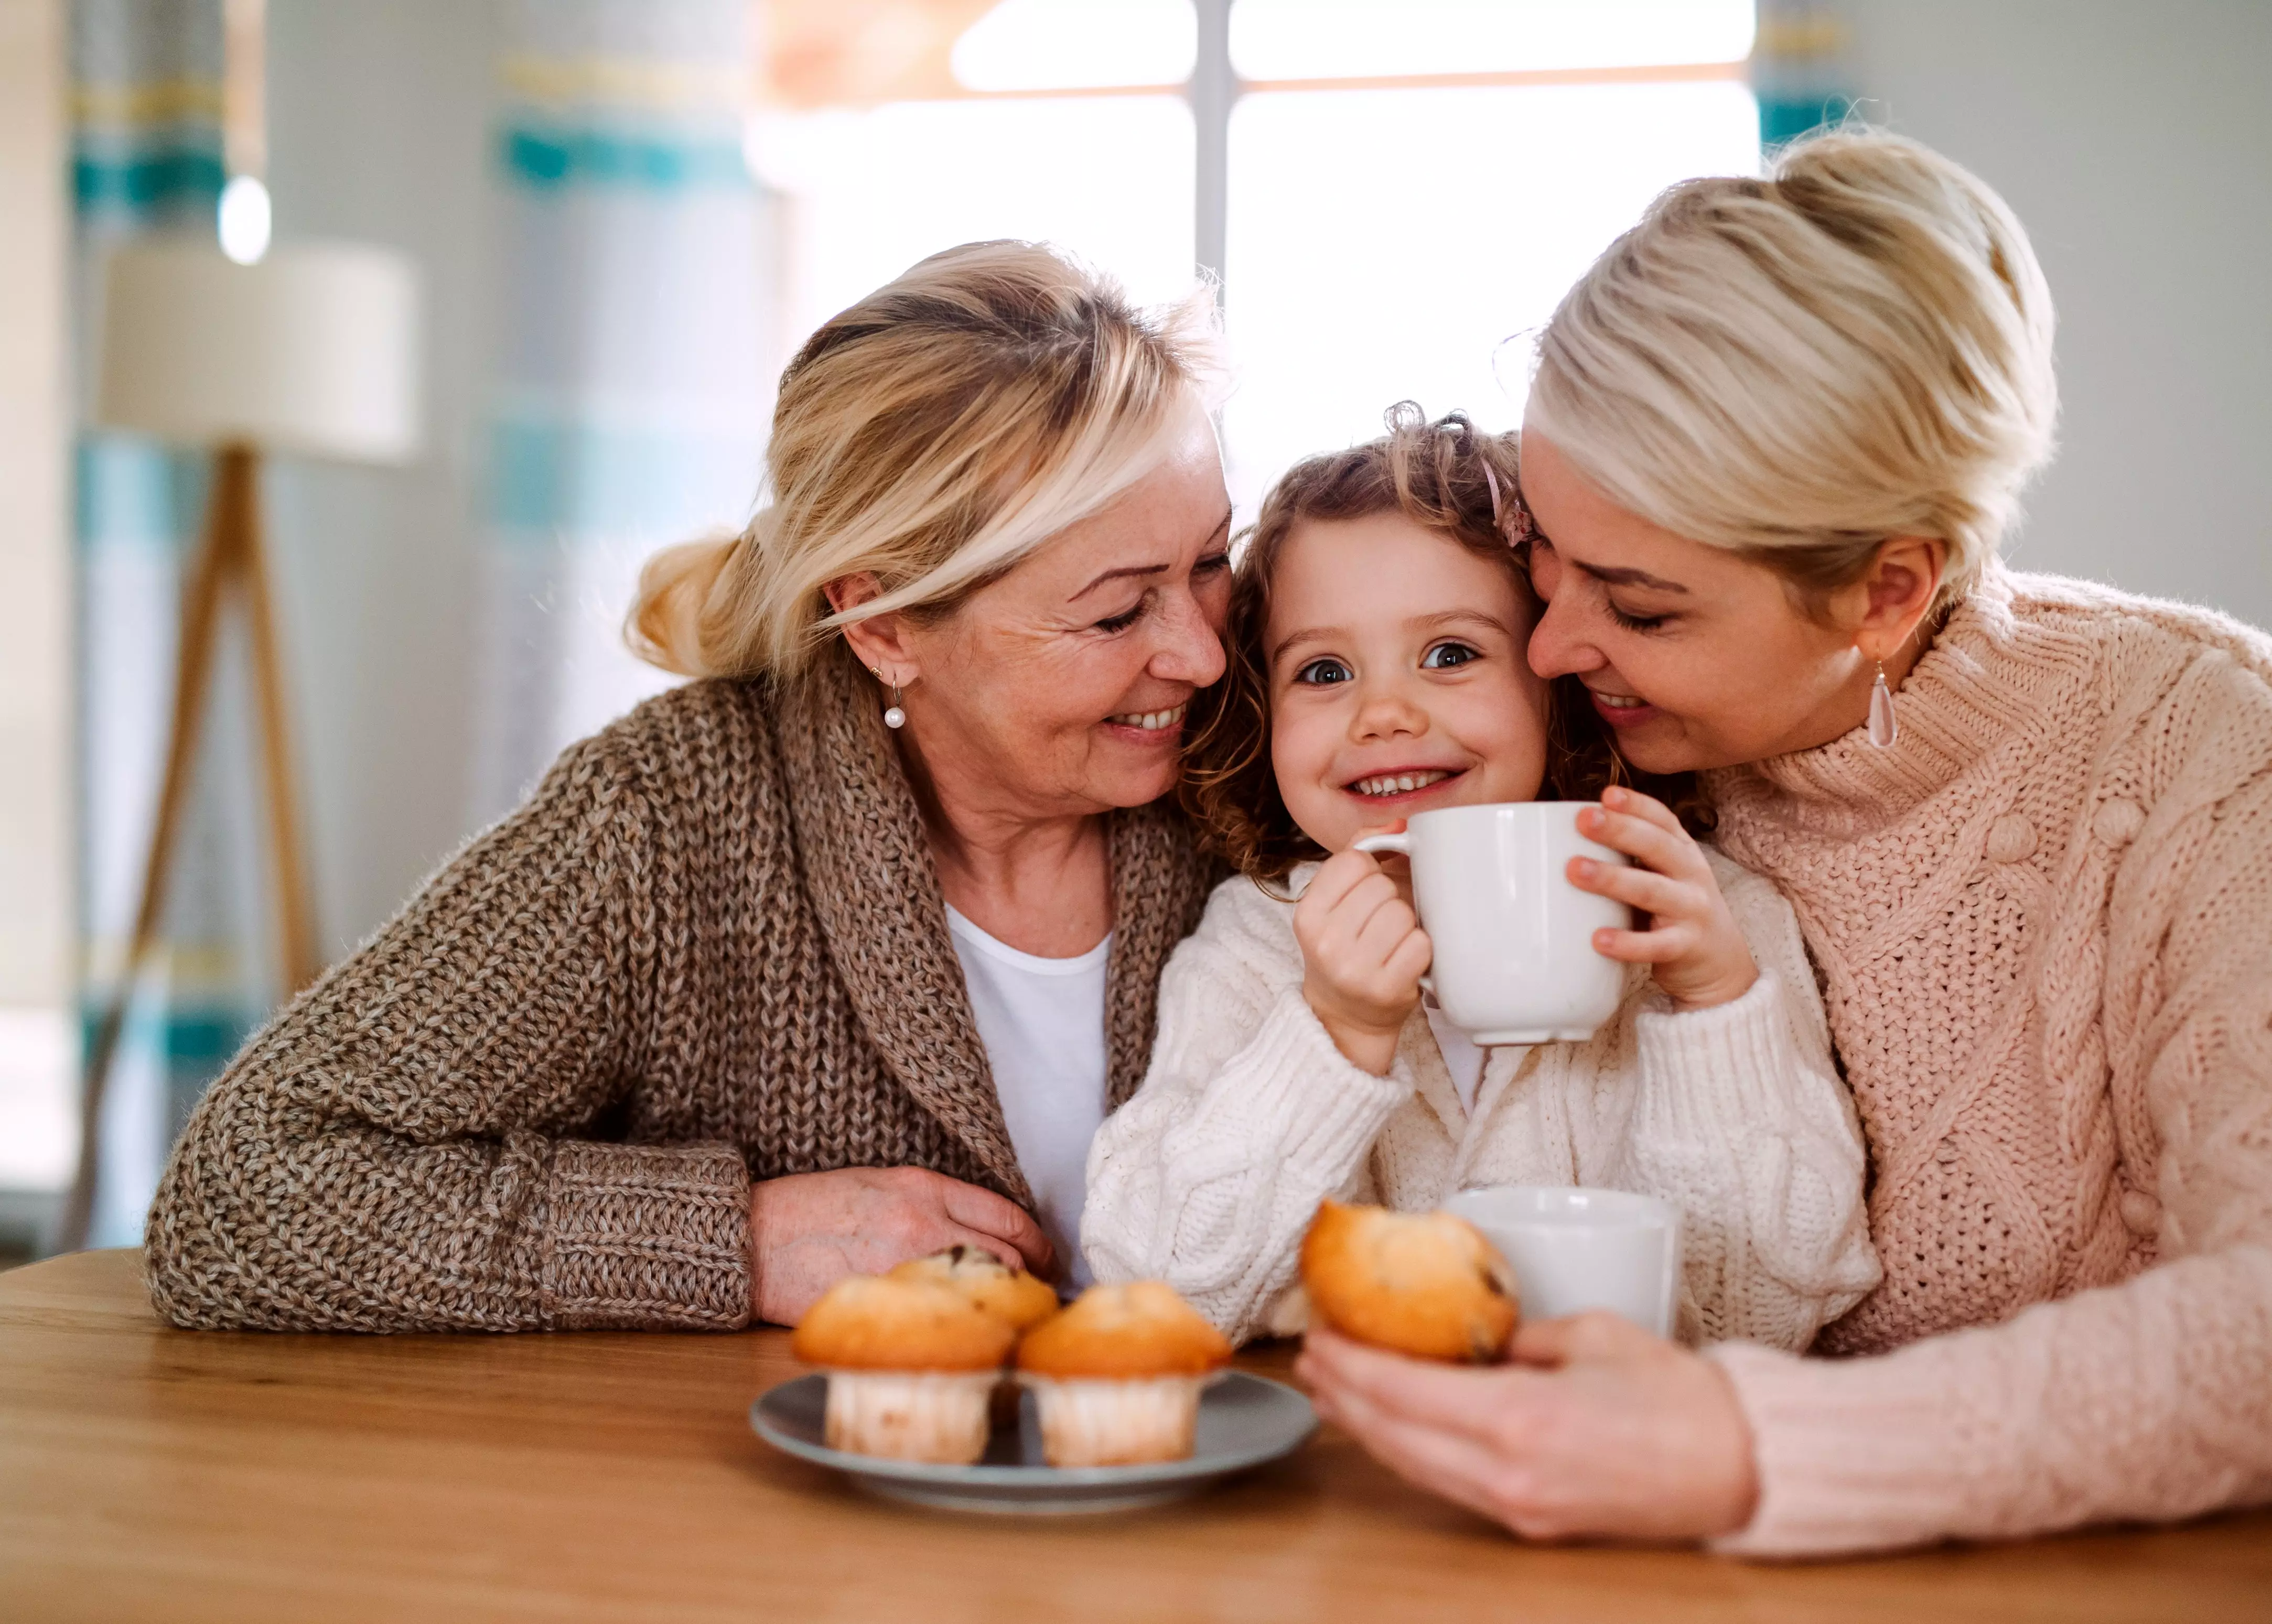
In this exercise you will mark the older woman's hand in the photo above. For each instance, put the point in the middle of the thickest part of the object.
(810, 1230)
(1596, 1428)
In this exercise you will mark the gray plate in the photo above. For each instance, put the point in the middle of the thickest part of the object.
(1244, 1421)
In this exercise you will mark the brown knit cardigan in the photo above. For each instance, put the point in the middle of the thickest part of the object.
(710, 947)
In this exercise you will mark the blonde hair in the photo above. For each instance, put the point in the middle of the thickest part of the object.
(1798, 368)
(935, 433)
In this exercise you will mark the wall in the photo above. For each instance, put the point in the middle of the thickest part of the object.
(2135, 142)
(378, 131)
(35, 866)
(34, 546)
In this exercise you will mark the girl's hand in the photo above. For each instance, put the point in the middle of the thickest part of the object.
(1363, 952)
(1702, 958)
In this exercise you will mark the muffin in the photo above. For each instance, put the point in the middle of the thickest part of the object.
(912, 1365)
(1116, 1377)
(1425, 1284)
(979, 1275)
(983, 1279)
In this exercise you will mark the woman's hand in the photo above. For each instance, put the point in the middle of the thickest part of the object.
(810, 1230)
(1597, 1428)
(1363, 952)
(1702, 958)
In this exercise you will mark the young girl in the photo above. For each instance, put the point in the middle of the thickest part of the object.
(1376, 637)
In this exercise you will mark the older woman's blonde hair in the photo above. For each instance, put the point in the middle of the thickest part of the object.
(934, 433)
(1798, 368)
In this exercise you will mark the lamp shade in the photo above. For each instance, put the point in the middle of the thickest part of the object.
(314, 349)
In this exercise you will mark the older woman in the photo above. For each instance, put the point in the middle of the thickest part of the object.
(829, 958)
(1775, 435)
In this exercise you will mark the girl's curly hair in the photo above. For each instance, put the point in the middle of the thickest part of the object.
(1446, 476)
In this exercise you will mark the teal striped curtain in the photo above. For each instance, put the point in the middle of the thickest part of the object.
(146, 157)
(1799, 70)
(632, 390)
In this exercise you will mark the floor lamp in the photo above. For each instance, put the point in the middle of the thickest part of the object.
(312, 350)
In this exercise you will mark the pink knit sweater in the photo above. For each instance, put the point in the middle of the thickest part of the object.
(2043, 919)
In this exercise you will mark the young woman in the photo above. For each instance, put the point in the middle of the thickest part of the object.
(1378, 625)
(1775, 435)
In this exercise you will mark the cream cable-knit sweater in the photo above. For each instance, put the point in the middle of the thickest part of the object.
(1249, 1116)
(2045, 923)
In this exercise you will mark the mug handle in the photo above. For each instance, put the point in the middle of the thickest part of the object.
(1399, 841)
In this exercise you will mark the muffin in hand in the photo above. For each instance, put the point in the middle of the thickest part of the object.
(911, 1364)
(1426, 1284)
(1116, 1377)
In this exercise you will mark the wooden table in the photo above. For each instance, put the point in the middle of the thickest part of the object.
(147, 1472)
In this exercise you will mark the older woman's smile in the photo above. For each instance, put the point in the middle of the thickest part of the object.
(1162, 724)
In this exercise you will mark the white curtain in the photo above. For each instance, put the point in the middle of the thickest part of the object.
(146, 157)
(1799, 68)
(633, 380)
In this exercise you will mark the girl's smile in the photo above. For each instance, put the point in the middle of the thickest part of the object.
(1402, 787)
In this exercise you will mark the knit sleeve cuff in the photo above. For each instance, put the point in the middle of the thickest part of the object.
(1851, 1456)
(645, 1237)
(1721, 1067)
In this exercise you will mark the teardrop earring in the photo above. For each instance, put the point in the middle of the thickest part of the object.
(894, 716)
(1884, 728)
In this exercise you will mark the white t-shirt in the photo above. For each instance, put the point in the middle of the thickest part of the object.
(1042, 1022)
(1462, 1058)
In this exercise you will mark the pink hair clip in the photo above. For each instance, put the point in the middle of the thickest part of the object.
(1514, 523)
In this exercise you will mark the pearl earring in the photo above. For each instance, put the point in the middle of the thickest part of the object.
(894, 716)
(1884, 729)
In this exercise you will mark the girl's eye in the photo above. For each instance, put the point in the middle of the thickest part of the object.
(1122, 622)
(1214, 564)
(1635, 623)
(1449, 656)
(1322, 672)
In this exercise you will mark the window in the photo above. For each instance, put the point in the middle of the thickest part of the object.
(1386, 243)
(868, 192)
(1407, 183)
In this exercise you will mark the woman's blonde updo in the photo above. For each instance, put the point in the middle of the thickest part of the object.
(1797, 367)
(934, 433)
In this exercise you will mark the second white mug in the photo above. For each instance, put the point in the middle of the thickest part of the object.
(1514, 939)
(1574, 1248)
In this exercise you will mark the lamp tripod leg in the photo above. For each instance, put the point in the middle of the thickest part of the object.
(216, 560)
(295, 930)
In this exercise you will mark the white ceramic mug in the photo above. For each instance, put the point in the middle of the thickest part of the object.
(1514, 939)
(1574, 1248)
